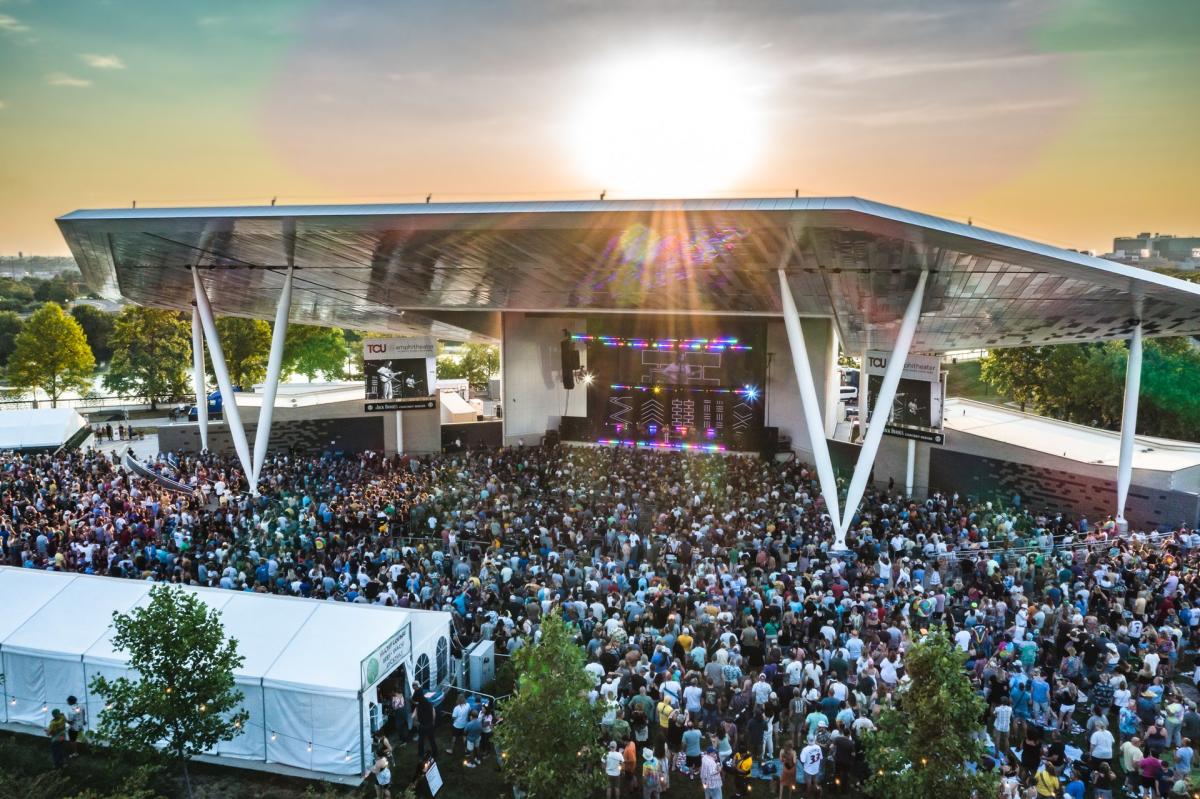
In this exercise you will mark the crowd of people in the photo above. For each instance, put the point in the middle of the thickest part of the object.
(728, 644)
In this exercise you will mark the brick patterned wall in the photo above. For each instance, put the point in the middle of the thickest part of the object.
(1041, 488)
(353, 434)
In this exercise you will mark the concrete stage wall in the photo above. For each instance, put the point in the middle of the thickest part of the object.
(531, 375)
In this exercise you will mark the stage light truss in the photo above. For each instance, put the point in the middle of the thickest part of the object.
(682, 446)
(749, 392)
(720, 344)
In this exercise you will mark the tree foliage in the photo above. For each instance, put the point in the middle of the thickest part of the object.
(478, 363)
(97, 326)
(931, 730)
(15, 295)
(51, 353)
(550, 738)
(152, 350)
(1016, 372)
(61, 288)
(246, 344)
(1085, 383)
(184, 700)
(312, 351)
(10, 327)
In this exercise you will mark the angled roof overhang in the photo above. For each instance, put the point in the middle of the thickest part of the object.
(449, 269)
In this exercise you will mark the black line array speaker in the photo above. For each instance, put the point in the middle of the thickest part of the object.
(770, 442)
(570, 362)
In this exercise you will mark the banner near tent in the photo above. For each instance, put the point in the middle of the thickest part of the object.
(916, 411)
(378, 665)
(400, 373)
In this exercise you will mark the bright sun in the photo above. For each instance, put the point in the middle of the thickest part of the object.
(667, 124)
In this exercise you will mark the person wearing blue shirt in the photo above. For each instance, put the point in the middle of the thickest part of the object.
(1039, 696)
(1020, 701)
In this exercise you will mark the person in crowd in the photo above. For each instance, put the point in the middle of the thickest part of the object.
(56, 731)
(614, 766)
(473, 732)
(459, 716)
(426, 723)
(76, 724)
(649, 776)
(703, 589)
(710, 774)
(381, 773)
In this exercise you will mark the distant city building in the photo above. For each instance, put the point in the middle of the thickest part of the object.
(1157, 250)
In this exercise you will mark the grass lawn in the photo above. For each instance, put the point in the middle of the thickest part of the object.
(962, 380)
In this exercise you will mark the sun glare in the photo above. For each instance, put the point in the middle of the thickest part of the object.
(667, 124)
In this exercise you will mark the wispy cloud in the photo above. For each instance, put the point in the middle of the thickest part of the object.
(63, 79)
(96, 61)
(3, 105)
(855, 68)
(12, 24)
(928, 114)
(211, 22)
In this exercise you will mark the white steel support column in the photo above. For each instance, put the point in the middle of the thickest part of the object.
(813, 422)
(1133, 384)
(883, 403)
(910, 467)
(198, 377)
(228, 399)
(262, 435)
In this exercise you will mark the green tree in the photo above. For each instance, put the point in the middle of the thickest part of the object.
(185, 701)
(246, 344)
(15, 295)
(56, 289)
(1015, 372)
(550, 739)
(97, 326)
(152, 350)
(52, 354)
(10, 327)
(309, 351)
(477, 364)
(931, 730)
(480, 363)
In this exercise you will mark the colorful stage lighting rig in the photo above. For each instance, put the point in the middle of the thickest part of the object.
(681, 446)
(749, 392)
(724, 344)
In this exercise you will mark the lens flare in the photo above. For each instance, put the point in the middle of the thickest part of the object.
(669, 123)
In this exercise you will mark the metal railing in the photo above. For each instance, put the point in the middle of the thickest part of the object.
(91, 403)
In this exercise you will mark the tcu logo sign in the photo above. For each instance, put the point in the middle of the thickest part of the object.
(376, 347)
(876, 362)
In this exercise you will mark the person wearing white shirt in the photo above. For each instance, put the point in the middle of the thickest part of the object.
(1101, 742)
(810, 758)
(888, 674)
(795, 672)
(962, 640)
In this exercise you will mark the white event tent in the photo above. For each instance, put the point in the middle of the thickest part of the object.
(38, 428)
(310, 673)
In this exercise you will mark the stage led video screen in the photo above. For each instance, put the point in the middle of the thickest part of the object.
(677, 382)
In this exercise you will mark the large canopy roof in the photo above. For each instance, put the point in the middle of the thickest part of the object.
(448, 269)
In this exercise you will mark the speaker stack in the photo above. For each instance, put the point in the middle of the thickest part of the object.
(570, 361)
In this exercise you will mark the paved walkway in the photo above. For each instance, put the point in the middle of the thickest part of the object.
(145, 449)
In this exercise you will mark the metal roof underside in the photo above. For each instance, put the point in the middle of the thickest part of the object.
(448, 269)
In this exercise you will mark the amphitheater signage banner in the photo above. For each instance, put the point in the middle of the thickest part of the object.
(378, 665)
(400, 374)
(916, 411)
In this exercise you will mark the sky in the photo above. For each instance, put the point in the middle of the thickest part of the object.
(1066, 121)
